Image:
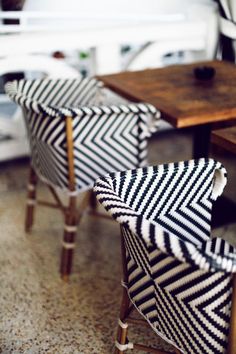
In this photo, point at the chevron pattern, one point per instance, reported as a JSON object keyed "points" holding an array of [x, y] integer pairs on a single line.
{"points": [[179, 278], [105, 138]]}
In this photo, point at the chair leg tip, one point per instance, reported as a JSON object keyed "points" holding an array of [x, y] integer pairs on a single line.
{"points": [[27, 229], [65, 278]]}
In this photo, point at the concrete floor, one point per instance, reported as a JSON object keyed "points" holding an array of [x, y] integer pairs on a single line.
{"points": [[39, 312]]}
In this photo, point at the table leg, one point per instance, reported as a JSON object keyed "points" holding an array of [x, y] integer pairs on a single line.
{"points": [[224, 210], [201, 140]]}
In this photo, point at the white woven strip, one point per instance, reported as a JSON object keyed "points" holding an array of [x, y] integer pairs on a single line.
{"points": [[124, 284], [123, 347], [68, 245], [219, 183], [72, 193], [122, 324], [31, 187], [70, 228], [227, 28], [226, 8], [31, 201]]}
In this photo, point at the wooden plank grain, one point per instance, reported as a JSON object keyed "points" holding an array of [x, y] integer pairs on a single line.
{"points": [[226, 138], [182, 99]]}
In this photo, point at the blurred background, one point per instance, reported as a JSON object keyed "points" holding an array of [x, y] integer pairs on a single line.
{"points": [[75, 37]]}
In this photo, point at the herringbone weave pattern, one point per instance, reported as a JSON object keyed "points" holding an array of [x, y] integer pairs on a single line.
{"points": [[179, 278], [105, 138]]}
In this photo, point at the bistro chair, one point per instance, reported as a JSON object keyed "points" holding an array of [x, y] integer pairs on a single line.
{"points": [[180, 279], [74, 140], [227, 29]]}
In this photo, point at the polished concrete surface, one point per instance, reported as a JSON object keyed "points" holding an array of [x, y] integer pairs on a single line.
{"points": [[39, 312]]}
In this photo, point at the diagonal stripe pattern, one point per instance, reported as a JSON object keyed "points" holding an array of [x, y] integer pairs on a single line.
{"points": [[179, 278], [105, 138]]}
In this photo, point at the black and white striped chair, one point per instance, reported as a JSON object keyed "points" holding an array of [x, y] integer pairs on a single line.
{"points": [[227, 28], [179, 278], [74, 141]]}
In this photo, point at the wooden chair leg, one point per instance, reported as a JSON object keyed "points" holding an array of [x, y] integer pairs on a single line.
{"points": [[92, 201], [125, 306], [122, 342], [70, 229], [122, 330], [31, 200]]}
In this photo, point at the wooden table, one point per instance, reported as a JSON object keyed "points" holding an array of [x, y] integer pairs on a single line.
{"points": [[225, 138], [225, 209], [183, 100]]}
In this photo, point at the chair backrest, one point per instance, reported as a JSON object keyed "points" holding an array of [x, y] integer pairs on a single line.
{"points": [[227, 29], [178, 277], [73, 141]]}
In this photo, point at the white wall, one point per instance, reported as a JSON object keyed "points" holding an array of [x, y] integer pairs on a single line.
{"points": [[113, 6]]}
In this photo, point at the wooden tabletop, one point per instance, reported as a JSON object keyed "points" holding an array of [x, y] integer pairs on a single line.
{"points": [[226, 138], [183, 100]]}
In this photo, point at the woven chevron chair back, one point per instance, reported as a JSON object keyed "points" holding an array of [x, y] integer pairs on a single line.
{"points": [[65, 112], [179, 278]]}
